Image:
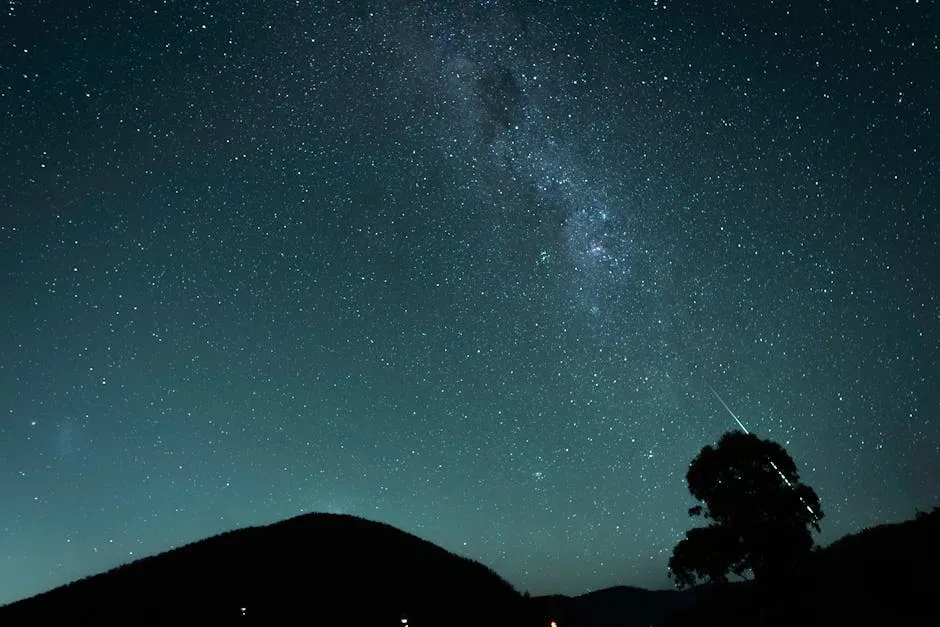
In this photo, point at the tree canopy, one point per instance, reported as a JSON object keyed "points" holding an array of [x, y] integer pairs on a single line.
{"points": [[760, 515]]}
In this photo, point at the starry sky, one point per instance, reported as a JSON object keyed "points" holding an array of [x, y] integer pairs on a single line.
{"points": [[464, 267]]}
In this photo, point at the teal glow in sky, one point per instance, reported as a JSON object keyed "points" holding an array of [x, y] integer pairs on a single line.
{"points": [[467, 269]]}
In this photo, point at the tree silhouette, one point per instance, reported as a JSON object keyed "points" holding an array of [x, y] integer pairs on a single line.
{"points": [[761, 516]]}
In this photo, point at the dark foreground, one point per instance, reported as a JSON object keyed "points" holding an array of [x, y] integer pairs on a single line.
{"points": [[313, 569], [886, 575], [342, 570]]}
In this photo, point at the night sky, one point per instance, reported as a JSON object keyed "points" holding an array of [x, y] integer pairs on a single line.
{"points": [[464, 267]]}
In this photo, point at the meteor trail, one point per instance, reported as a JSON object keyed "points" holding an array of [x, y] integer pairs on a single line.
{"points": [[779, 472], [722, 401]]}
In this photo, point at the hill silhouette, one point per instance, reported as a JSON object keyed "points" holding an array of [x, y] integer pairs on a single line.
{"points": [[337, 568], [619, 606], [312, 568], [884, 575], [881, 575]]}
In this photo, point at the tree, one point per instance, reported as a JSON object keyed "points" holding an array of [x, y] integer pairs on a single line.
{"points": [[760, 515]]}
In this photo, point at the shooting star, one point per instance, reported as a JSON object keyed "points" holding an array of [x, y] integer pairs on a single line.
{"points": [[722, 401], [773, 465]]}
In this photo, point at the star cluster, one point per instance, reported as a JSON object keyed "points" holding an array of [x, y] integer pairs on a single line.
{"points": [[467, 268]]}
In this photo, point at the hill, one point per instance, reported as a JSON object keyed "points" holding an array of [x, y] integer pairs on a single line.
{"points": [[331, 568], [620, 606], [882, 575], [886, 574], [322, 567]]}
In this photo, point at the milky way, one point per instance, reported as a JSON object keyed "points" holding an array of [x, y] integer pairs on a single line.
{"points": [[467, 268]]}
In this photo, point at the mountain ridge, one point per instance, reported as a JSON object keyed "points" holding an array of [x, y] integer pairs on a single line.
{"points": [[283, 570], [307, 564]]}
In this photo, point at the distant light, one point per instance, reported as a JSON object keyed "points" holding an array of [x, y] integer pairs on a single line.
{"points": [[243, 609], [554, 624]]}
